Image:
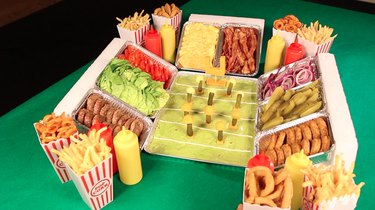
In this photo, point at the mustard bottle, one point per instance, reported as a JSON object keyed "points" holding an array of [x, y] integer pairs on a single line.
{"points": [[294, 164], [168, 40], [274, 53], [128, 157]]}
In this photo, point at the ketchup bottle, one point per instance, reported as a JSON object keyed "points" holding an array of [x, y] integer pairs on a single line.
{"points": [[261, 160], [108, 138], [153, 42], [294, 53]]}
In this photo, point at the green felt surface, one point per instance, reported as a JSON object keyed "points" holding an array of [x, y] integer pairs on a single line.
{"points": [[29, 182]]}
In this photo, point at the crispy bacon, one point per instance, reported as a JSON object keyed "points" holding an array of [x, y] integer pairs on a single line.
{"points": [[239, 49]]}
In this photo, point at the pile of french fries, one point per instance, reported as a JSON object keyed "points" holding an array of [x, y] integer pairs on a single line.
{"points": [[84, 152], [316, 33], [331, 181], [134, 22]]}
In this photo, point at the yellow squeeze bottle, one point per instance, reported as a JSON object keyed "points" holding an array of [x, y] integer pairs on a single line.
{"points": [[294, 164], [128, 157], [168, 40], [274, 53]]}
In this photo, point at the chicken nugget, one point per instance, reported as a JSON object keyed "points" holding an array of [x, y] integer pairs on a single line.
{"points": [[314, 129], [290, 137], [287, 150], [280, 156], [326, 144], [322, 124], [296, 148], [272, 144], [306, 132], [280, 139], [298, 134], [315, 146], [305, 144], [272, 155]]}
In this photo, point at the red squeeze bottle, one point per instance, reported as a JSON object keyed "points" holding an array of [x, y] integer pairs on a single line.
{"points": [[153, 42], [294, 53], [261, 160], [108, 138]]}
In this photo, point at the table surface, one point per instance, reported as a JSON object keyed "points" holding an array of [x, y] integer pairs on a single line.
{"points": [[29, 182]]}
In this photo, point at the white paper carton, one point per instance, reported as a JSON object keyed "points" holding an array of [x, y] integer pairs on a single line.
{"points": [[96, 185], [136, 36], [312, 49], [57, 165], [175, 21], [347, 202], [248, 206]]}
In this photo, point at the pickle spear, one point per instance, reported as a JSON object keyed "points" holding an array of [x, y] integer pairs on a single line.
{"points": [[311, 108], [272, 123], [276, 95]]}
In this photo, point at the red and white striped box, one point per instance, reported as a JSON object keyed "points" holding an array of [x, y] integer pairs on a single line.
{"points": [[96, 185], [347, 202], [57, 164], [136, 36], [312, 49], [175, 21]]}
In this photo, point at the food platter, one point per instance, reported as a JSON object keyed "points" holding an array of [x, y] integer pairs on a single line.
{"points": [[212, 113]]}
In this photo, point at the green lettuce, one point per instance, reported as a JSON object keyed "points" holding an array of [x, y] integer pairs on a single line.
{"points": [[133, 86]]}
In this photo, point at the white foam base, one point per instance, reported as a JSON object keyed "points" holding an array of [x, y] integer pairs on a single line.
{"points": [[339, 114], [87, 80]]}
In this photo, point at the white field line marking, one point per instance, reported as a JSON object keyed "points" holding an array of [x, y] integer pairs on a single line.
{"points": [[244, 119], [177, 83], [212, 130], [242, 102], [201, 145]]}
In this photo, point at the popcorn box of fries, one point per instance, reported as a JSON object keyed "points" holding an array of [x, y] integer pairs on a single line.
{"points": [[267, 190], [316, 38], [330, 187], [168, 14], [96, 185], [53, 134], [88, 160], [134, 28]]}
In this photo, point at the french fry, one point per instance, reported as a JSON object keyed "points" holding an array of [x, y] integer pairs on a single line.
{"points": [[134, 22], [84, 152], [331, 181], [316, 33]]}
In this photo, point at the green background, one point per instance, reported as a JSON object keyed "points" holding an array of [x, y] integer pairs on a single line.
{"points": [[29, 182]]}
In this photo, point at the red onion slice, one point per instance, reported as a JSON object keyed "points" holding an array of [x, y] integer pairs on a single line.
{"points": [[288, 82], [304, 76]]}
